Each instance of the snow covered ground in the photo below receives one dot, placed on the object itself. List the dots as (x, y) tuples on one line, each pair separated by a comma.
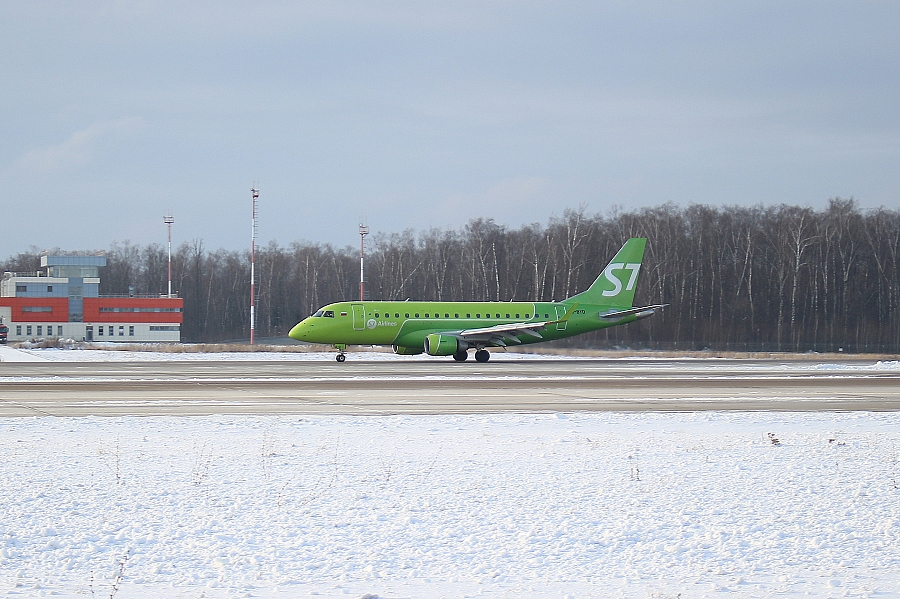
[(723, 504)]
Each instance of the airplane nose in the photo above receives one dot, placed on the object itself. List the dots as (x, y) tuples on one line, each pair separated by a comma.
[(298, 332)]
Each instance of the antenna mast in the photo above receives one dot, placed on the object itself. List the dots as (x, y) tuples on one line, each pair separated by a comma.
[(169, 219), (255, 193), (363, 231)]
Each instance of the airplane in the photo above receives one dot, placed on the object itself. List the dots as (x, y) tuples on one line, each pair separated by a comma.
[(453, 328)]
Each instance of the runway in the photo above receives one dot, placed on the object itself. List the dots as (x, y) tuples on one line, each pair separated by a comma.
[(413, 386)]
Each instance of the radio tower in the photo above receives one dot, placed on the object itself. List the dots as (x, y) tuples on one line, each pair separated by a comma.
[(363, 231), (255, 193), (169, 219)]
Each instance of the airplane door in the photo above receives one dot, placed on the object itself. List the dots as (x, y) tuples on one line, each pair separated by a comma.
[(359, 317), (560, 312)]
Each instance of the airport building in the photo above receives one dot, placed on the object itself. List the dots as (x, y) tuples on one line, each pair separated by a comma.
[(63, 300)]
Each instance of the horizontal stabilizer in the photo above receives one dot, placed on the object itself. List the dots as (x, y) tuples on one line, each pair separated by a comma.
[(616, 314)]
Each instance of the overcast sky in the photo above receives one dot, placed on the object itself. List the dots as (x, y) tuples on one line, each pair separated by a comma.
[(422, 114)]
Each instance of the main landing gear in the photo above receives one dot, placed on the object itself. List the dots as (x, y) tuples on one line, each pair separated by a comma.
[(481, 355)]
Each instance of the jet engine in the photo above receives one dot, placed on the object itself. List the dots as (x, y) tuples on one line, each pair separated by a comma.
[(406, 351), (443, 345)]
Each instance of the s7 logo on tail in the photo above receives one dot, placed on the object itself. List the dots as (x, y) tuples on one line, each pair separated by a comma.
[(608, 273)]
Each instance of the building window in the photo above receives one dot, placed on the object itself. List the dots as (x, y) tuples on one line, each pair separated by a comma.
[(133, 309), (131, 331), (28, 329), (156, 328), (19, 330), (49, 288), (21, 289), (59, 331), (99, 331), (37, 308), (40, 330), (121, 331)]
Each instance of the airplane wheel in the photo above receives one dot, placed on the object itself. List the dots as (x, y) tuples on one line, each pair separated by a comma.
[(461, 356), (482, 355), (340, 357)]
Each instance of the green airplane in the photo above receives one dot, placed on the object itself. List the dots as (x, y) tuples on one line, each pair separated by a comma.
[(453, 328)]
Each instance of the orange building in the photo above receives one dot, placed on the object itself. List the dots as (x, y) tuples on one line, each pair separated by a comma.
[(64, 301)]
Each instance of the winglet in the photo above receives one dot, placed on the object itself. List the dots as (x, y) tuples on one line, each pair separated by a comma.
[(567, 315)]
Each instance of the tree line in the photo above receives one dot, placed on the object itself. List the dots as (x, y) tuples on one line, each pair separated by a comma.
[(766, 278)]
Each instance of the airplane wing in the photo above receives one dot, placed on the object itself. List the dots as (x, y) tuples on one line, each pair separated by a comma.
[(502, 334)]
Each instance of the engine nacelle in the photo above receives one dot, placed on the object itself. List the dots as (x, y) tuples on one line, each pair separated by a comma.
[(406, 351), (443, 345)]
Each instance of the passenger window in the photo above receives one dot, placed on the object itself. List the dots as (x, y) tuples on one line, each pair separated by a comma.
[(528, 316), (407, 315), (468, 316), (507, 315), (426, 315), (478, 316), (517, 316), (417, 314), (456, 315), (498, 316), (376, 315), (446, 316), (397, 315)]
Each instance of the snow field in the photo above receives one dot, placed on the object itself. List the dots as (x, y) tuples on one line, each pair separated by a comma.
[(584, 505)]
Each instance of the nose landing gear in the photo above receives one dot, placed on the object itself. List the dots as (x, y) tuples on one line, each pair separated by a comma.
[(341, 347)]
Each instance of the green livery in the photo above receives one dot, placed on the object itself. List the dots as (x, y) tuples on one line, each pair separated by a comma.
[(453, 328)]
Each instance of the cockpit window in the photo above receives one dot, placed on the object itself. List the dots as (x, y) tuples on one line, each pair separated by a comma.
[(328, 314), (318, 314)]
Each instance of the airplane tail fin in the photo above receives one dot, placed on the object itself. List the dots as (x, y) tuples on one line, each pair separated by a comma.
[(616, 284)]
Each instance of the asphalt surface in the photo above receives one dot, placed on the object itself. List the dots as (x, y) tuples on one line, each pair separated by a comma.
[(414, 386)]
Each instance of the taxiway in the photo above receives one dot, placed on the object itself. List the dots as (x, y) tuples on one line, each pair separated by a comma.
[(431, 386)]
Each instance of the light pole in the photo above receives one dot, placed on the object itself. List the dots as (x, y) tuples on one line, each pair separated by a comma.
[(363, 231), (169, 219), (255, 193)]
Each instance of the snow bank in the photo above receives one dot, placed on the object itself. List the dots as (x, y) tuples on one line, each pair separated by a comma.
[(631, 505)]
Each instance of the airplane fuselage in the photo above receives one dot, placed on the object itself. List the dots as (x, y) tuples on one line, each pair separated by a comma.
[(405, 325)]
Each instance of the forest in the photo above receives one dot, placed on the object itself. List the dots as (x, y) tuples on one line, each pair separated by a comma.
[(761, 278)]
